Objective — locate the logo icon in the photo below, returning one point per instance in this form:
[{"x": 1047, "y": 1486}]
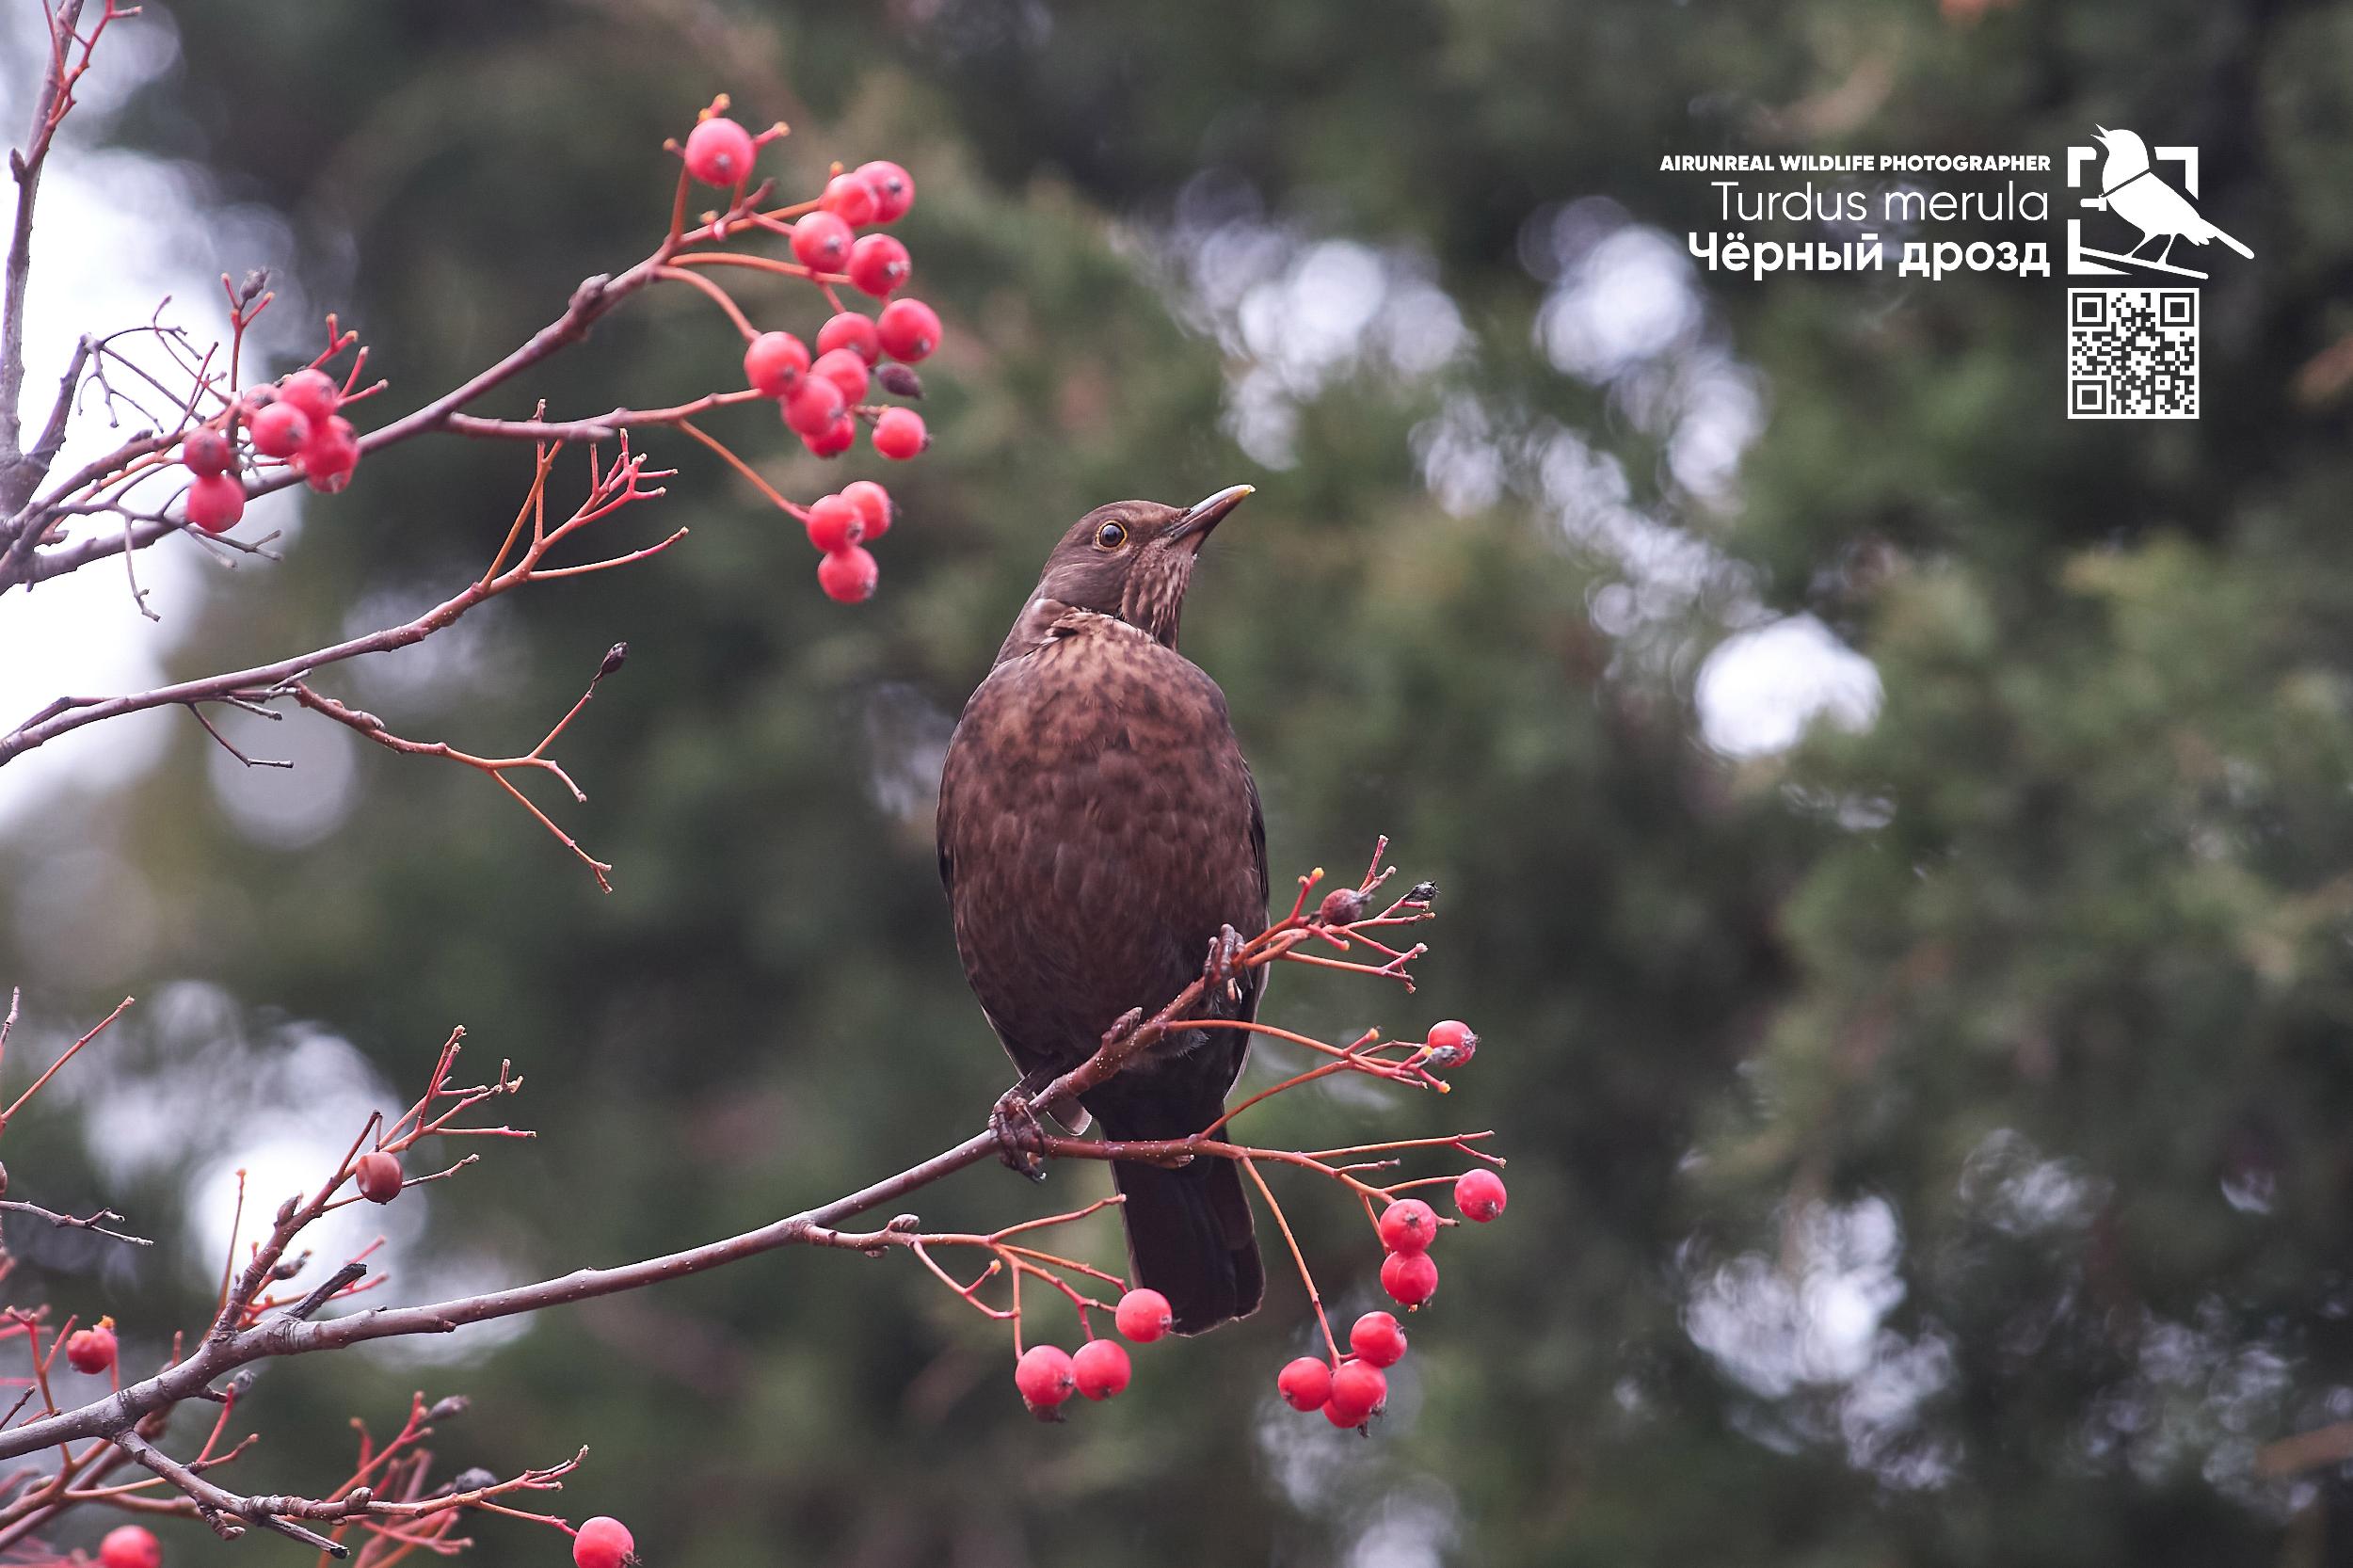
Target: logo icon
[{"x": 2132, "y": 189}]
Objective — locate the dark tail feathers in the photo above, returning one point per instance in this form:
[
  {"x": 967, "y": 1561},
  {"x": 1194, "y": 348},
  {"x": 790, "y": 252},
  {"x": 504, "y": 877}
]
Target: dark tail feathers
[{"x": 1189, "y": 1232}]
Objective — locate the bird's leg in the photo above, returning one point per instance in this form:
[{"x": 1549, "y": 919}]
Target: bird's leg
[
  {"x": 1012, "y": 1121},
  {"x": 2168, "y": 251},
  {"x": 2144, "y": 240}
]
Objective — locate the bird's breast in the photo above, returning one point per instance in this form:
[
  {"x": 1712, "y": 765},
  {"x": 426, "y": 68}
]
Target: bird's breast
[{"x": 1097, "y": 821}]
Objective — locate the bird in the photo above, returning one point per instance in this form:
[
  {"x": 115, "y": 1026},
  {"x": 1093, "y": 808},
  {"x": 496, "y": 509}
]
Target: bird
[
  {"x": 2131, "y": 187},
  {"x": 1099, "y": 830}
]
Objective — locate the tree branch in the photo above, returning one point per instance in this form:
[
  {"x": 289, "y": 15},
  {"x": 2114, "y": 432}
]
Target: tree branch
[{"x": 48, "y": 105}]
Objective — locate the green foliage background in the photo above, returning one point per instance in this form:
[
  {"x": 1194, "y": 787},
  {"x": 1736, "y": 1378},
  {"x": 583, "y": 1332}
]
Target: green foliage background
[{"x": 2024, "y": 1007}]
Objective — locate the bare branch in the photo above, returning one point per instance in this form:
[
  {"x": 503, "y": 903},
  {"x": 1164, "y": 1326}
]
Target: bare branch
[
  {"x": 49, "y": 107},
  {"x": 69, "y": 1222}
]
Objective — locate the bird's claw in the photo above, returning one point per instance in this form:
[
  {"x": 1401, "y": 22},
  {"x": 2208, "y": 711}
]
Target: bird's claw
[
  {"x": 1224, "y": 951},
  {"x": 1020, "y": 1139}
]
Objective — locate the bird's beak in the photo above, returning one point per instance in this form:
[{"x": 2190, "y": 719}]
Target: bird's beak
[
  {"x": 1193, "y": 527},
  {"x": 2100, "y": 135}
]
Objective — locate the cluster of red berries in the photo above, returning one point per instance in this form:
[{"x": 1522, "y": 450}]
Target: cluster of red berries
[
  {"x": 604, "y": 1541},
  {"x": 821, "y": 397},
  {"x": 92, "y": 1350},
  {"x": 1048, "y": 1375},
  {"x": 840, "y": 527},
  {"x": 130, "y": 1546},
  {"x": 294, "y": 421},
  {"x": 1355, "y": 1390}
]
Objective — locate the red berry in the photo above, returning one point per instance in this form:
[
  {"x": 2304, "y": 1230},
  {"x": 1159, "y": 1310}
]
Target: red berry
[
  {"x": 719, "y": 152},
  {"x": 1479, "y": 1196},
  {"x": 313, "y": 392},
  {"x": 1143, "y": 1316},
  {"x": 1341, "y": 906},
  {"x": 844, "y": 369},
  {"x": 331, "y": 453},
  {"x": 834, "y": 439},
  {"x": 909, "y": 330},
  {"x": 1347, "y": 1421},
  {"x": 849, "y": 198},
  {"x": 1411, "y": 1278},
  {"x": 848, "y": 576},
  {"x": 130, "y": 1546},
  {"x": 893, "y": 188},
  {"x": 1453, "y": 1041},
  {"x": 821, "y": 241},
  {"x": 279, "y": 429},
  {"x": 91, "y": 1349},
  {"x": 879, "y": 265},
  {"x": 899, "y": 434},
  {"x": 774, "y": 362},
  {"x": 1408, "y": 1224},
  {"x": 1045, "y": 1376},
  {"x": 1377, "y": 1340},
  {"x": 852, "y": 331},
  {"x": 834, "y": 523},
  {"x": 1358, "y": 1388},
  {"x": 873, "y": 509},
  {"x": 207, "y": 452},
  {"x": 1305, "y": 1383},
  {"x": 1102, "y": 1368},
  {"x": 604, "y": 1541},
  {"x": 814, "y": 404},
  {"x": 379, "y": 1176},
  {"x": 216, "y": 503}
]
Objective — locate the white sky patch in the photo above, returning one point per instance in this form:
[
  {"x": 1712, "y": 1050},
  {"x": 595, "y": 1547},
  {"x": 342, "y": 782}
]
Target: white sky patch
[
  {"x": 1760, "y": 690},
  {"x": 1630, "y": 297},
  {"x": 1815, "y": 1323},
  {"x": 1295, "y": 314},
  {"x": 115, "y": 235}
]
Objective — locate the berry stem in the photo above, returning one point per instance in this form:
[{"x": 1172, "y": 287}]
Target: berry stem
[
  {"x": 1307, "y": 1276},
  {"x": 744, "y": 469},
  {"x": 718, "y": 296}
]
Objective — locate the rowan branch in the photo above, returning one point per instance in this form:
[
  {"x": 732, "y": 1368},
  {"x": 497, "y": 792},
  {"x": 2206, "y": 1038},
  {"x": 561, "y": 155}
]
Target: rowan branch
[{"x": 243, "y": 1334}]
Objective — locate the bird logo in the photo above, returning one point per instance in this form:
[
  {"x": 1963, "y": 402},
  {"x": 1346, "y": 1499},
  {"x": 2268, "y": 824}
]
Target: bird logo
[{"x": 2131, "y": 187}]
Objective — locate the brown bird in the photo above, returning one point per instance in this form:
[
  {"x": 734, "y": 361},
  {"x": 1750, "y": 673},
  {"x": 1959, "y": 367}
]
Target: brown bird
[{"x": 1099, "y": 830}]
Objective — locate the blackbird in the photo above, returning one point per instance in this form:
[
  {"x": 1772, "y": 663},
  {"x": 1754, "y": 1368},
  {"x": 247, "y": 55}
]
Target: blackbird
[{"x": 1099, "y": 830}]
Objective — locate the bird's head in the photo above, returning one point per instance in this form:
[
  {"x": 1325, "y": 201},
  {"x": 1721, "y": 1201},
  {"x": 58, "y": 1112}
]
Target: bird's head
[{"x": 1133, "y": 559}]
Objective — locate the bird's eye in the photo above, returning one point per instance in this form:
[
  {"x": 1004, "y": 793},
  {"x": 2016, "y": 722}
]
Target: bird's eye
[{"x": 1109, "y": 536}]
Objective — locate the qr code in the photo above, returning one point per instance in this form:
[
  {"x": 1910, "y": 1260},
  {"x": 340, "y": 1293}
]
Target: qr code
[{"x": 2132, "y": 353}]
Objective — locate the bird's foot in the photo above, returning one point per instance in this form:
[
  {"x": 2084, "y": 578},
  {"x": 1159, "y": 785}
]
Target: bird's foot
[
  {"x": 1020, "y": 1137},
  {"x": 1225, "y": 950}
]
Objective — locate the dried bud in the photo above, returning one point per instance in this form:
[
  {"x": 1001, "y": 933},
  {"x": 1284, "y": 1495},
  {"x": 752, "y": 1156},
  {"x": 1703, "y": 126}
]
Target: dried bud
[
  {"x": 1422, "y": 892},
  {"x": 474, "y": 1479},
  {"x": 448, "y": 1409},
  {"x": 904, "y": 1222},
  {"x": 286, "y": 1210},
  {"x": 255, "y": 283},
  {"x": 613, "y": 658},
  {"x": 1341, "y": 906},
  {"x": 900, "y": 381}
]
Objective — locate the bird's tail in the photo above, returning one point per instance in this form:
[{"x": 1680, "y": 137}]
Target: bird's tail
[
  {"x": 2229, "y": 241},
  {"x": 1189, "y": 1229}
]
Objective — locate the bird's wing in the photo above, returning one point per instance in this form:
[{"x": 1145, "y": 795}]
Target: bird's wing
[{"x": 1254, "y": 989}]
